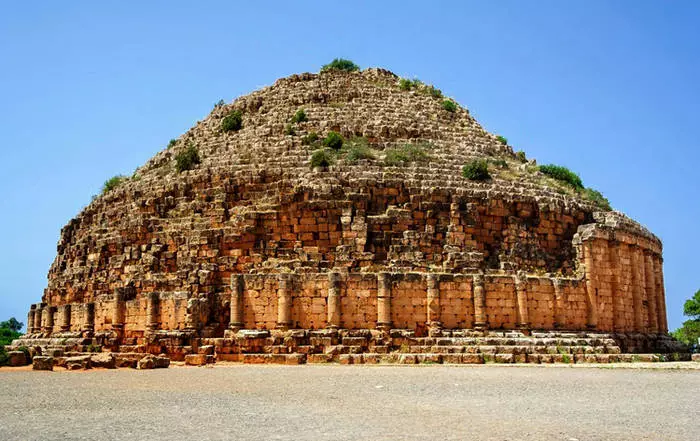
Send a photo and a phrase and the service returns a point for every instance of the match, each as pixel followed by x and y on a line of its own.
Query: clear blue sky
pixel 89 90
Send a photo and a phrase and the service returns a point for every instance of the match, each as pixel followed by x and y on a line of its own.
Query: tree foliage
pixel 689 332
pixel 9 330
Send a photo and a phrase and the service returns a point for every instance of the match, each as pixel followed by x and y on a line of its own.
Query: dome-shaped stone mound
pixel 340 200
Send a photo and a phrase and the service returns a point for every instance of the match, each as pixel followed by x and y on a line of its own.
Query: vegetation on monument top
pixel 333 140
pixel 562 174
pixel 309 139
pixel 112 183
pixel 219 103
pixel 521 156
pixel 172 142
pixel 449 106
pixel 187 159
pixel 502 139
pixel 340 64
pixel 407 84
pixel 322 158
pixel 406 153
pixel 232 122
pixel 434 92
pixel 476 170
pixel 689 332
pixel 299 116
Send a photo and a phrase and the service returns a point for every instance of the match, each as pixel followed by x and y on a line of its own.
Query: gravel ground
pixel 352 403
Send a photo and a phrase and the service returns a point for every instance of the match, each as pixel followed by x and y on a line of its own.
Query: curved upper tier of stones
pixel 254 238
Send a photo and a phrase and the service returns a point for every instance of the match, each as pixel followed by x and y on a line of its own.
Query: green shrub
pixel 521 156
pixel 340 64
pixel 449 105
pixel 289 130
pixel 434 92
pixel 405 84
pixel 500 163
pixel 334 140
pixel 172 142
pixel 187 159
pixel 299 116
pixel 477 170
pixel 112 183
pixel 322 158
pixel 232 122
pixel 597 198
pixel 309 139
pixel 407 153
pixel 562 174
pixel 502 139
pixel 358 148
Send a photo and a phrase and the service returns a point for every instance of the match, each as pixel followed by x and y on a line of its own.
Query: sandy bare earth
pixel 352 403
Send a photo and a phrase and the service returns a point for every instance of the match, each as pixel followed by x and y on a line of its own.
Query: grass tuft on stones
pixel 187 159
pixel 299 116
pixel 232 122
pixel 310 139
pixel 477 170
pixel 449 106
pixel 357 149
pixel 520 155
pixel 502 139
pixel 408 84
pixel 113 182
pixel 172 142
pixel 289 130
pixel 333 140
pixel 406 154
pixel 340 64
pixel 562 174
pixel 597 198
pixel 322 158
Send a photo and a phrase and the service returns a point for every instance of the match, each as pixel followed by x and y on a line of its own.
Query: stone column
pixel 152 301
pixel 119 312
pixel 333 319
pixel 479 302
pixel 636 290
pixel 236 304
pixel 433 302
pixel 89 324
pixel 649 279
pixel 616 283
pixel 660 296
pixel 65 317
pixel 30 319
pixel 559 303
pixel 591 287
pixel 284 303
pixel 383 301
pixel 47 320
pixel 523 316
pixel 38 317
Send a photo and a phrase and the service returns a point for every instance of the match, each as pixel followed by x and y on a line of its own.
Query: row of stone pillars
pixel 384 312
pixel 41 318
pixel 644 279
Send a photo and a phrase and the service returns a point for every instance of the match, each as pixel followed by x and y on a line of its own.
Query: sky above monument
pixel 89 90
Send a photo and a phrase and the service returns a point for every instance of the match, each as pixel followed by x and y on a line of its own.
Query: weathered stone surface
pixel 103 360
pixel 696 357
pixel 147 362
pixel 254 256
pixel 17 358
pixel 78 362
pixel 42 363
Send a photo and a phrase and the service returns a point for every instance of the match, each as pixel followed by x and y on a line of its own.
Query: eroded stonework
pixel 254 239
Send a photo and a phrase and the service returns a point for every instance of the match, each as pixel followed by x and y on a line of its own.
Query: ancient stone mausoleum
pixel 253 250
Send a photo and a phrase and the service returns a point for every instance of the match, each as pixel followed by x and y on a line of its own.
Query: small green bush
pixel 309 139
pixel 334 140
pixel 113 182
pixel 449 105
pixel 502 139
pixel 299 116
pixel 434 92
pixel 477 170
pixel 322 158
pixel 597 198
pixel 172 142
pixel 232 122
pixel 500 163
pixel 521 156
pixel 187 159
pixel 562 174
pixel 289 130
pixel 405 84
pixel 341 64
pixel 358 148
pixel 407 153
